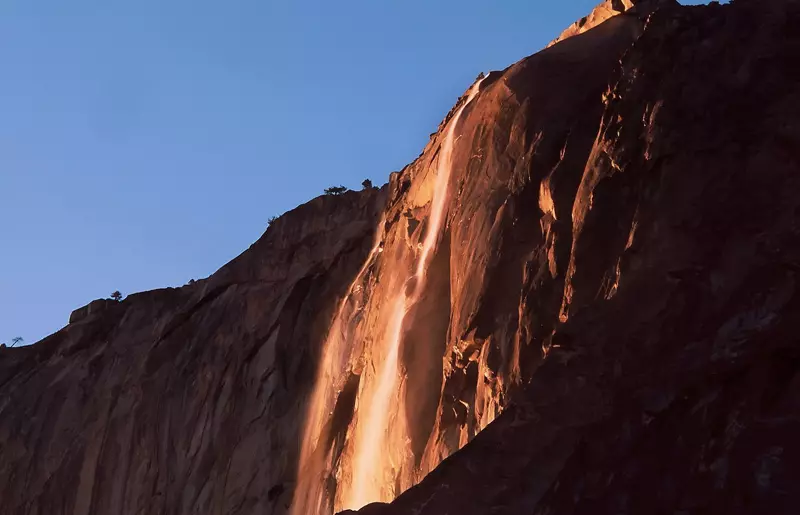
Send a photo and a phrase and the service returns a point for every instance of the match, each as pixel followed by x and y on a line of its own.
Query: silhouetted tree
pixel 335 190
pixel 16 341
pixel 116 296
pixel 367 184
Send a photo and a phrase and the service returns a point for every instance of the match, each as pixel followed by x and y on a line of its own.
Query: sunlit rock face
pixel 515 147
pixel 609 9
pixel 604 11
pixel 660 296
pixel 580 298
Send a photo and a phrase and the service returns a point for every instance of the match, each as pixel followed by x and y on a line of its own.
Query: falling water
pixel 378 444
pixel 370 434
pixel 310 495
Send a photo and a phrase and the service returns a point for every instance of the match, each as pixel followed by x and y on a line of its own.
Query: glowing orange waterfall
pixel 310 495
pixel 371 447
pixel 376 463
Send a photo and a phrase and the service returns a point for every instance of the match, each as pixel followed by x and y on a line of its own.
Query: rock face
pixel 596 307
pixel 183 400
pixel 657 302
pixel 91 309
pixel 603 12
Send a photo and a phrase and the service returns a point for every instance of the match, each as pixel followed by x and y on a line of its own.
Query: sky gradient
pixel 146 143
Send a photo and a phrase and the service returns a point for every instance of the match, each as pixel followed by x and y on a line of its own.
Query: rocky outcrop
pixel 603 12
pixel 605 322
pixel 93 308
pixel 607 10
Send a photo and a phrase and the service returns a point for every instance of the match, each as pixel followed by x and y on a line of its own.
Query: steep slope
pixel 670 383
pixel 436 368
pixel 586 280
pixel 515 148
pixel 183 400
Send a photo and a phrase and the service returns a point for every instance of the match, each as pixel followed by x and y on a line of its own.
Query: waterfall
pixel 377 451
pixel 310 496
pixel 370 442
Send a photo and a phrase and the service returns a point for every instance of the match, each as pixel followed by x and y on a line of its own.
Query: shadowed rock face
pixel 183 400
pixel 607 324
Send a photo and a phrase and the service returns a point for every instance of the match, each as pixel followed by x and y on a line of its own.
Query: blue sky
pixel 144 143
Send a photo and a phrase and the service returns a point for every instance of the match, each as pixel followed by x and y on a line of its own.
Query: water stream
pixel 377 452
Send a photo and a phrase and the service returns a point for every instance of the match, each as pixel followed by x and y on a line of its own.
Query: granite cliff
pixel 580 298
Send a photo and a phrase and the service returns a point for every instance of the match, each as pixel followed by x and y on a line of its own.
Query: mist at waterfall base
pixel 371 458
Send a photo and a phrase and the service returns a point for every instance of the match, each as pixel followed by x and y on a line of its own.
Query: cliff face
pixel 660 296
pixel 183 400
pixel 586 282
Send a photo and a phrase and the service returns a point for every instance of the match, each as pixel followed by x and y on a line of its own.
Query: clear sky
pixel 144 143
